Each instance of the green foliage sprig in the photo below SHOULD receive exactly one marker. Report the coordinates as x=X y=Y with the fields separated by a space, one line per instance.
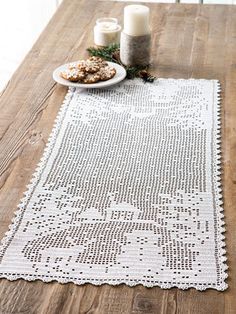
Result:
x=112 y=53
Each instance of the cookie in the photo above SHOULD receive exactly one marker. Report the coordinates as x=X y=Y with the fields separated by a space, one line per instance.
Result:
x=98 y=60
x=106 y=73
x=91 y=71
x=73 y=65
x=88 y=66
x=81 y=65
x=91 y=78
x=73 y=75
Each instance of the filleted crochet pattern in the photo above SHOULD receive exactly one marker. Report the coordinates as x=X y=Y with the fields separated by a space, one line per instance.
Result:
x=127 y=191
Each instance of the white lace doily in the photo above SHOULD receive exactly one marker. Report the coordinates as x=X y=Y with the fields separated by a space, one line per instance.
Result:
x=128 y=191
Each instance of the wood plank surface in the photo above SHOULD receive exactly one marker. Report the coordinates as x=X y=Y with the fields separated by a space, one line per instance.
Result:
x=188 y=41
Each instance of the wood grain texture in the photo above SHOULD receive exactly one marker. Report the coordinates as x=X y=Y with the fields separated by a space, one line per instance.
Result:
x=188 y=41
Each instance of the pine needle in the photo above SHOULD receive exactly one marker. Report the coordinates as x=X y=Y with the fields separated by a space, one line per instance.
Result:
x=112 y=53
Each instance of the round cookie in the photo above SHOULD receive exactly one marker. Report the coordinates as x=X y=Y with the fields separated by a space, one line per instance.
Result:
x=106 y=73
x=73 y=75
x=91 y=78
x=98 y=60
x=88 y=66
x=92 y=67
x=73 y=65
x=81 y=65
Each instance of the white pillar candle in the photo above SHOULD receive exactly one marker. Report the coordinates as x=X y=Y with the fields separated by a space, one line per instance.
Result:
x=136 y=20
x=106 y=32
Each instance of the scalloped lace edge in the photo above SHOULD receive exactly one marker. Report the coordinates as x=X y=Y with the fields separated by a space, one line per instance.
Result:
x=220 y=230
x=217 y=183
x=100 y=282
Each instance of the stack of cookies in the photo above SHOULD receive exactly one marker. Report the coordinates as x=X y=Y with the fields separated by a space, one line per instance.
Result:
x=89 y=71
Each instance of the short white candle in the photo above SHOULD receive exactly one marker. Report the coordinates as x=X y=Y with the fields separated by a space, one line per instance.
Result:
x=136 y=20
x=106 y=32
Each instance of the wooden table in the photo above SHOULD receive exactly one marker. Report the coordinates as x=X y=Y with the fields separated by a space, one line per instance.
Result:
x=188 y=41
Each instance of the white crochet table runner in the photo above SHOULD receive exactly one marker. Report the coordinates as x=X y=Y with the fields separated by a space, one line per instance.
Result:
x=128 y=191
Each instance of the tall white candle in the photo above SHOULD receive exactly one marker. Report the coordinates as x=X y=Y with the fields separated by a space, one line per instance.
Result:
x=136 y=20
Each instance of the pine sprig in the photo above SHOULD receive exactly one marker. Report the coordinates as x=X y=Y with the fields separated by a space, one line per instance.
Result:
x=112 y=53
x=106 y=52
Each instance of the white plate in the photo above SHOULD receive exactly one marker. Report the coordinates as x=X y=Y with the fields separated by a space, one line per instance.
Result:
x=120 y=75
